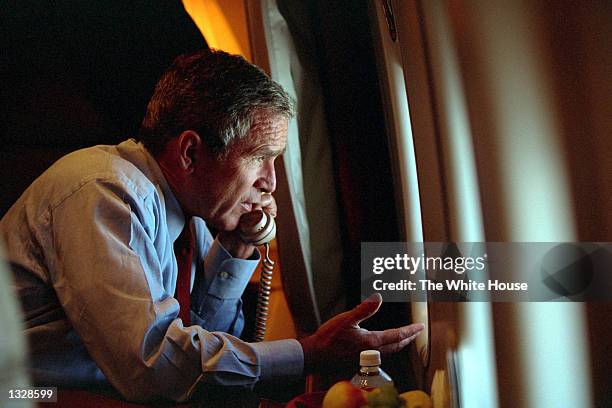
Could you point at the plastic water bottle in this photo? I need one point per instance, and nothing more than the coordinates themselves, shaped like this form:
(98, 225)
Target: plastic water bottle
(370, 374)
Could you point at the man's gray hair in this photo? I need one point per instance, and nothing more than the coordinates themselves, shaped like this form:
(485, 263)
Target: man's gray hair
(215, 94)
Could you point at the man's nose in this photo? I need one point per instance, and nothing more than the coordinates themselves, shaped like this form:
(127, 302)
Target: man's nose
(267, 182)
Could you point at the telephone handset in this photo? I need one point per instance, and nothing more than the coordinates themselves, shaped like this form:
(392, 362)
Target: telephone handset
(259, 228)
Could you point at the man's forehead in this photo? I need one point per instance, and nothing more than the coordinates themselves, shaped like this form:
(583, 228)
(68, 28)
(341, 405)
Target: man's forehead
(268, 130)
(267, 135)
(268, 123)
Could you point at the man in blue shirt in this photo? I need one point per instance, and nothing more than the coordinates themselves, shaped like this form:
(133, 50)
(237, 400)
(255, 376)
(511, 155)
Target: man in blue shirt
(91, 244)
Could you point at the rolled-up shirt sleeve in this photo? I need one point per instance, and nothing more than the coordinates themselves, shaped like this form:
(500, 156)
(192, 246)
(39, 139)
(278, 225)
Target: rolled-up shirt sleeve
(109, 259)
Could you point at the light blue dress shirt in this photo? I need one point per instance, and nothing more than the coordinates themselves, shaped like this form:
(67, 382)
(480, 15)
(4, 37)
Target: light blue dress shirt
(91, 246)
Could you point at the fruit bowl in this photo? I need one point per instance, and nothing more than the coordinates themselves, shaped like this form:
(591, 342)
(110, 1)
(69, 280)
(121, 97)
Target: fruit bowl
(343, 394)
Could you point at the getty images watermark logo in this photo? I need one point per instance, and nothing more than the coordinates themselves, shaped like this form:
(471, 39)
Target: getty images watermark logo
(489, 271)
(568, 269)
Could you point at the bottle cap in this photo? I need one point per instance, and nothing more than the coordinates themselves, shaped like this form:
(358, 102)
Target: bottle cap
(369, 358)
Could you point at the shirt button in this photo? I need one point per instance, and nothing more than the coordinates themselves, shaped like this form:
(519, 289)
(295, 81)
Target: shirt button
(224, 275)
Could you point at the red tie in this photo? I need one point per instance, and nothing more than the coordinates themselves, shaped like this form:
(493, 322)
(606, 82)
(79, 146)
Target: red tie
(183, 249)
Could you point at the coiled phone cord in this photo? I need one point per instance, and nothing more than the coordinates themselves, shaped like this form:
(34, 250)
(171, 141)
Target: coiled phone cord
(263, 296)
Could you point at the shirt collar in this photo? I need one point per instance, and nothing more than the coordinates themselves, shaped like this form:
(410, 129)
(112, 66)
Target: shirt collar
(141, 158)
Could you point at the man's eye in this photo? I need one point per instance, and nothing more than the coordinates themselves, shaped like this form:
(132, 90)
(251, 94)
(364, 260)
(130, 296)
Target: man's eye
(260, 159)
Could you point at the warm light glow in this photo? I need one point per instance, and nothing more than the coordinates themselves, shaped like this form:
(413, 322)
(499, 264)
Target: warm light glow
(223, 23)
(280, 322)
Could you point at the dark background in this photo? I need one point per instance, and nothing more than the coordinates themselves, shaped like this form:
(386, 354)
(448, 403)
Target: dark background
(79, 73)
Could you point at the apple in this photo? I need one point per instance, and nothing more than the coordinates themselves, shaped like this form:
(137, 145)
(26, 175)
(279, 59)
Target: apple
(343, 394)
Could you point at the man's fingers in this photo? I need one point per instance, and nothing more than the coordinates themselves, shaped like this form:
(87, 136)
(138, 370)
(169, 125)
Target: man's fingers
(268, 204)
(365, 309)
(266, 199)
(399, 337)
(395, 347)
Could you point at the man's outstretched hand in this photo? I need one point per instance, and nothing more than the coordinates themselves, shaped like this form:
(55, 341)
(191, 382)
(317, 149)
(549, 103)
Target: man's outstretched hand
(341, 336)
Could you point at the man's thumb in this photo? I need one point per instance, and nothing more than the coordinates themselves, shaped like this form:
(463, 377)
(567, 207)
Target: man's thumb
(366, 308)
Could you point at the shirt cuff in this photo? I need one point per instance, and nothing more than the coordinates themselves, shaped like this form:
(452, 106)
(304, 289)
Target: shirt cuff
(279, 358)
(227, 276)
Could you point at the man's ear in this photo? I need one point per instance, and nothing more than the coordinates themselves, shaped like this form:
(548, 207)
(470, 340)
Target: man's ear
(188, 143)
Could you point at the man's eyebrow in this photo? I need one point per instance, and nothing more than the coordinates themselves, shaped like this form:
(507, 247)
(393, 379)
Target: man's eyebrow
(268, 152)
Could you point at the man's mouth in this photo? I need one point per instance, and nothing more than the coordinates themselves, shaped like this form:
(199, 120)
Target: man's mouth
(247, 206)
